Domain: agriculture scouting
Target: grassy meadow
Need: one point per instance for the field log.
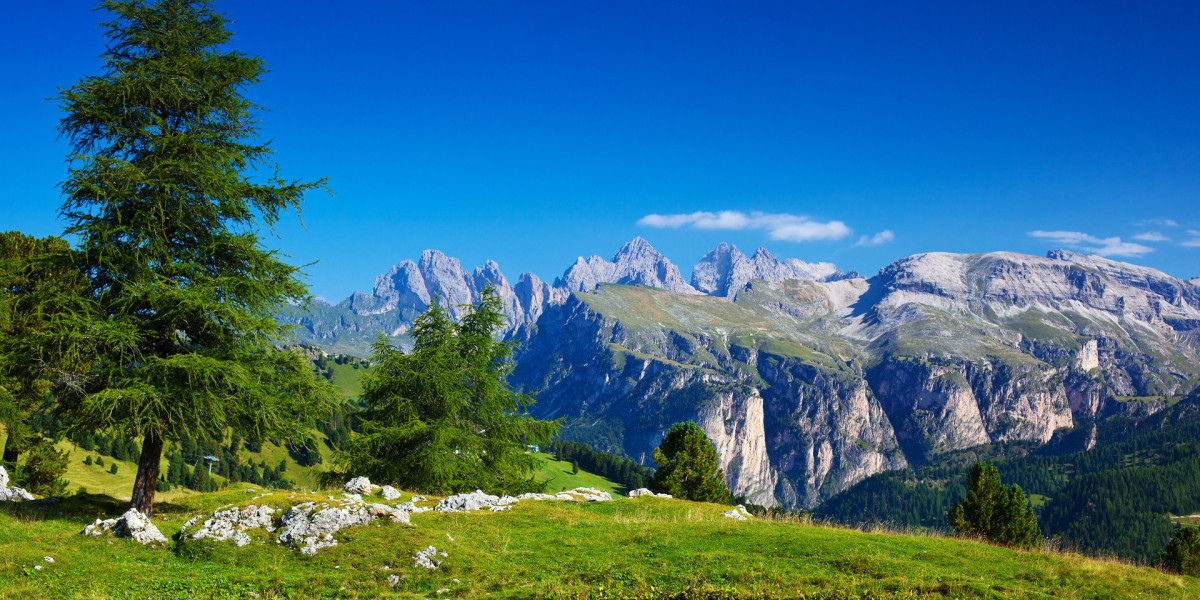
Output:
(642, 548)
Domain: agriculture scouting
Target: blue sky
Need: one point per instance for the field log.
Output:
(535, 132)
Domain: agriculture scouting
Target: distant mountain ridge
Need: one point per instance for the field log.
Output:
(808, 379)
(409, 287)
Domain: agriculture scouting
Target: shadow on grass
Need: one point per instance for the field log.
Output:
(79, 507)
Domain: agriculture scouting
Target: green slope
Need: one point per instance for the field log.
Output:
(644, 548)
(558, 475)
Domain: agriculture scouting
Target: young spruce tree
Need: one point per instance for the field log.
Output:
(442, 418)
(160, 195)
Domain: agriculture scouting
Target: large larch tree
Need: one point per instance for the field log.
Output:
(164, 196)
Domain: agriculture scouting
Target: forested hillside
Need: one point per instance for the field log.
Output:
(1114, 498)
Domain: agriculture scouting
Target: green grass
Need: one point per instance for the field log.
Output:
(643, 548)
(558, 476)
(347, 379)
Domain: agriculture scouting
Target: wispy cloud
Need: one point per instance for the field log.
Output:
(1160, 222)
(791, 228)
(1195, 241)
(1112, 246)
(883, 237)
(1151, 236)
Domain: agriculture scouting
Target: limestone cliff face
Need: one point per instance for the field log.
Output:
(786, 433)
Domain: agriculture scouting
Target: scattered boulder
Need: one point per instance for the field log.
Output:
(11, 494)
(393, 580)
(390, 493)
(739, 512)
(476, 500)
(133, 524)
(232, 523)
(428, 558)
(418, 498)
(14, 494)
(310, 526)
(359, 485)
(645, 492)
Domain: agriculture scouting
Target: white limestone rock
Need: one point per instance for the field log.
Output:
(645, 492)
(477, 500)
(14, 494)
(359, 485)
(3, 478)
(232, 523)
(310, 526)
(739, 512)
(133, 524)
(390, 493)
(427, 558)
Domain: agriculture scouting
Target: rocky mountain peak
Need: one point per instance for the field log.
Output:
(725, 271)
(636, 263)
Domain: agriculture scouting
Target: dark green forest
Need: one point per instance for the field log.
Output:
(1113, 499)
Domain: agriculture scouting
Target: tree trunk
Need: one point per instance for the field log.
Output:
(147, 475)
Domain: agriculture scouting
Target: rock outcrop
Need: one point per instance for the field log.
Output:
(11, 494)
(133, 524)
(232, 523)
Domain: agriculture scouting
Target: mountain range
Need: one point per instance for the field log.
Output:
(808, 379)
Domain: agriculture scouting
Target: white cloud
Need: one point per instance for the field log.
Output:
(791, 228)
(1112, 246)
(1151, 236)
(1157, 223)
(883, 237)
(1194, 242)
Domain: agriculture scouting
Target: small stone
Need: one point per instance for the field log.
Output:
(37, 567)
(425, 558)
(393, 580)
(390, 493)
(48, 559)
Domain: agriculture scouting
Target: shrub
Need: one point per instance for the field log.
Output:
(113, 469)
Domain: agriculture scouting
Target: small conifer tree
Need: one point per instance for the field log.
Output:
(688, 466)
(993, 511)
